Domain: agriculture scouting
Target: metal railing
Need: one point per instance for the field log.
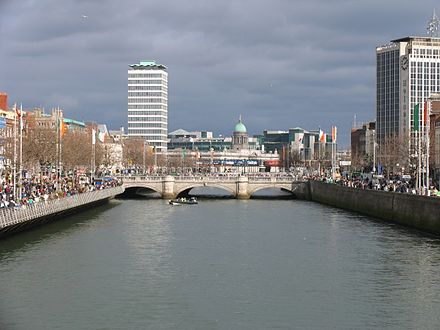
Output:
(12, 216)
(277, 178)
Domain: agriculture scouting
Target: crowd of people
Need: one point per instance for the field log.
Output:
(393, 184)
(43, 188)
(38, 188)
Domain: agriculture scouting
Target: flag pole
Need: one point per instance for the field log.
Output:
(61, 144)
(57, 155)
(419, 152)
(14, 178)
(428, 128)
(20, 175)
(423, 151)
(333, 160)
(92, 165)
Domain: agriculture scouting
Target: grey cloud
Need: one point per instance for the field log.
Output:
(278, 63)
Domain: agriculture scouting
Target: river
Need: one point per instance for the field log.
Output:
(222, 264)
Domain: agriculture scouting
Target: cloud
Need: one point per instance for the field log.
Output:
(278, 63)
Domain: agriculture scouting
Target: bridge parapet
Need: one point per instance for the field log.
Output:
(141, 178)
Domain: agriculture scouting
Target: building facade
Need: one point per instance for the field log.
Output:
(407, 73)
(148, 103)
(362, 144)
(240, 137)
(202, 151)
(434, 138)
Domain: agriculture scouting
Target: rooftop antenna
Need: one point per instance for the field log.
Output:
(433, 26)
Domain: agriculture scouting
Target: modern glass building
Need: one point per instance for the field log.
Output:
(408, 72)
(387, 90)
(148, 103)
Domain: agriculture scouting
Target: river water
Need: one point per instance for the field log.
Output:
(222, 264)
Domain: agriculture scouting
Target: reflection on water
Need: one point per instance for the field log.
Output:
(222, 264)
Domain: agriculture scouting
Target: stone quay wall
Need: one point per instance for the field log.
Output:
(13, 220)
(419, 212)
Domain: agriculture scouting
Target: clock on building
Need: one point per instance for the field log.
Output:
(404, 62)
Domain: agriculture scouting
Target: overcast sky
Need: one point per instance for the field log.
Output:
(279, 63)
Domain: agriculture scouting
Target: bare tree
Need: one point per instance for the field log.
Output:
(39, 146)
(133, 152)
(357, 161)
(77, 150)
(393, 154)
(295, 157)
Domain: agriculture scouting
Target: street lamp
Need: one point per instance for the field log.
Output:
(155, 159)
(211, 160)
(143, 154)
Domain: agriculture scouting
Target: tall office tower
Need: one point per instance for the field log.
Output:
(148, 103)
(407, 73)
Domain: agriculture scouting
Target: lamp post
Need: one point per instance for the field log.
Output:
(143, 157)
(14, 173)
(211, 164)
(93, 158)
(155, 158)
(374, 157)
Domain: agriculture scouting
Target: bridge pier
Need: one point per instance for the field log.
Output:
(242, 188)
(168, 187)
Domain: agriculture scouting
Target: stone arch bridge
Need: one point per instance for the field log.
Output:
(242, 187)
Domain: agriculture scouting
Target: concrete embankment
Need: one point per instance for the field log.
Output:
(418, 212)
(16, 220)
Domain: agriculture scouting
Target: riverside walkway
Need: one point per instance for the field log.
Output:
(17, 219)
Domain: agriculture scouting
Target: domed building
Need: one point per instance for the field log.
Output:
(240, 137)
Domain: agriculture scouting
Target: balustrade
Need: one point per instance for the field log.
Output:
(12, 216)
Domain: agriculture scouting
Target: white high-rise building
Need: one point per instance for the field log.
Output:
(148, 103)
(407, 73)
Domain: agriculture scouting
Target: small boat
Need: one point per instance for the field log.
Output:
(183, 201)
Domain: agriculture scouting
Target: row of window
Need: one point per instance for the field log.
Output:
(145, 75)
(145, 135)
(158, 144)
(147, 88)
(162, 118)
(389, 101)
(420, 95)
(425, 70)
(425, 86)
(147, 94)
(147, 113)
(146, 100)
(146, 82)
(394, 52)
(146, 106)
(422, 51)
(426, 76)
(425, 53)
(147, 125)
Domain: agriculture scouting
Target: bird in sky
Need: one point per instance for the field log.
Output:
(84, 16)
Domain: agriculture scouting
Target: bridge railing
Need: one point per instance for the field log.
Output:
(11, 216)
(220, 177)
(206, 178)
(141, 178)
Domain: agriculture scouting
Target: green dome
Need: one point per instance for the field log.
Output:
(240, 128)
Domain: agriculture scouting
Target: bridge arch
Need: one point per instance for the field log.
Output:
(285, 188)
(188, 187)
(131, 189)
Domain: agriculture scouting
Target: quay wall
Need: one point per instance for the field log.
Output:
(13, 220)
(419, 212)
